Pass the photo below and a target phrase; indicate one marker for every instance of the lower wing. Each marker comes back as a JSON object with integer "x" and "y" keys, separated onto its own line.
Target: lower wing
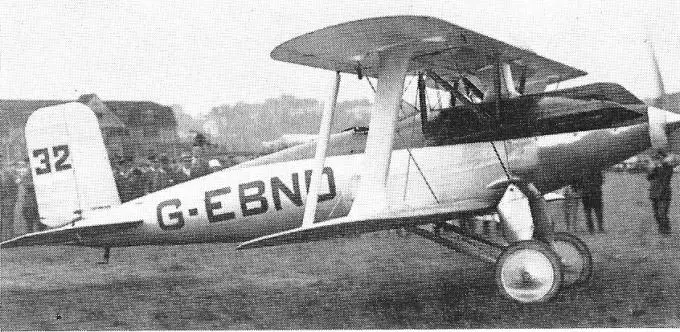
{"x": 70, "y": 234}
{"x": 347, "y": 225}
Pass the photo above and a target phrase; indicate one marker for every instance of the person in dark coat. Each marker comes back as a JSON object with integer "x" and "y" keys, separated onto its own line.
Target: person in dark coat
{"x": 659, "y": 176}
{"x": 8, "y": 196}
{"x": 183, "y": 171}
{"x": 163, "y": 174}
{"x": 590, "y": 189}
{"x": 199, "y": 165}
{"x": 149, "y": 168}
{"x": 137, "y": 183}
{"x": 570, "y": 206}
{"x": 121, "y": 175}
{"x": 27, "y": 203}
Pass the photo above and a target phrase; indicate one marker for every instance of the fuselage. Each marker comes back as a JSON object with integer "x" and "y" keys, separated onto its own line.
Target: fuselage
{"x": 267, "y": 196}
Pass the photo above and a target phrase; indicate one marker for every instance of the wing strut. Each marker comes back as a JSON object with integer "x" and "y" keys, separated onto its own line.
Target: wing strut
{"x": 320, "y": 156}
{"x": 371, "y": 198}
{"x": 422, "y": 101}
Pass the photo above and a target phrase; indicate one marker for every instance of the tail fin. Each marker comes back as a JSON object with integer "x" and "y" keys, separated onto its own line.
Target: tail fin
{"x": 69, "y": 163}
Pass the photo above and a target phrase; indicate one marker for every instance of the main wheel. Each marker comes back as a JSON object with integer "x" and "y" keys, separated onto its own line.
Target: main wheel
{"x": 577, "y": 261}
{"x": 529, "y": 272}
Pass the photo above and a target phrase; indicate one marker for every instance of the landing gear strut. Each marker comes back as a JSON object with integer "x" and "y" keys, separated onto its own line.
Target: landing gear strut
{"x": 537, "y": 262}
{"x": 527, "y": 271}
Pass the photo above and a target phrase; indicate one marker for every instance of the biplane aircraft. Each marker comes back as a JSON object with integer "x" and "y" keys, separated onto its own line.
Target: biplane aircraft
{"x": 496, "y": 146}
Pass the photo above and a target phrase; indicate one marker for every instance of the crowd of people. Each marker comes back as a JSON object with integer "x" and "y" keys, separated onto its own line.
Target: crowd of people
{"x": 136, "y": 179}
{"x": 19, "y": 206}
{"x": 588, "y": 190}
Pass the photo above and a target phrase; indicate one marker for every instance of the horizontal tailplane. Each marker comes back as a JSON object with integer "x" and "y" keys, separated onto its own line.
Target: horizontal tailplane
{"x": 73, "y": 235}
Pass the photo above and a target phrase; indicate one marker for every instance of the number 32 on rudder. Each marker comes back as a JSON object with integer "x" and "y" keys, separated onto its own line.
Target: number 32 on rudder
{"x": 59, "y": 152}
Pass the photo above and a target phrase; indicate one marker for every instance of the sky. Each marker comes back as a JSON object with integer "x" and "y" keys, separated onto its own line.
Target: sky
{"x": 201, "y": 54}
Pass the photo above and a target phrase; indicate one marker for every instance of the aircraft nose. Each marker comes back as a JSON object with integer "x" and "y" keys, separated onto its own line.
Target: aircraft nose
{"x": 663, "y": 128}
{"x": 673, "y": 131}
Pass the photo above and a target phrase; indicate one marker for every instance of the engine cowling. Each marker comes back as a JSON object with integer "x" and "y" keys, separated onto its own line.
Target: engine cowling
{"x": 664, "y": 130}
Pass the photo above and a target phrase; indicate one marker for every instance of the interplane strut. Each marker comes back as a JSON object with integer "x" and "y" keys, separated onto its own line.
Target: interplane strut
{"x": 371, "y": 197}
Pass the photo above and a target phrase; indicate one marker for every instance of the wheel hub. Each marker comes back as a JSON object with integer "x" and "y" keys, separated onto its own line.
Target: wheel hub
{"x": 528, "y": 275}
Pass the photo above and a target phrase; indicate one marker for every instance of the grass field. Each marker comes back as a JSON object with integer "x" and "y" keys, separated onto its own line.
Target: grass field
{"x": 375, "y": 281}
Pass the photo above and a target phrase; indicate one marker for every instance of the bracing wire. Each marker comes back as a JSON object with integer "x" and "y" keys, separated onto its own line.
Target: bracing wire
{"x": 407, "y": 85}
{"x": 415, "y": 163}
{"x": 485, "y": 118}
{"x": 500, "y": 160}
{"x": 507, "y": 157}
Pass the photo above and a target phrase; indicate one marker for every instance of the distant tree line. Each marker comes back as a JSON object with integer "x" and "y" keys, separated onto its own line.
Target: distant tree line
{"x": 244, "y": 126}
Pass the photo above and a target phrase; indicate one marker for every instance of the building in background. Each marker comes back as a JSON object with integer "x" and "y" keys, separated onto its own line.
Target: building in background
{"x": 132, "y": 129}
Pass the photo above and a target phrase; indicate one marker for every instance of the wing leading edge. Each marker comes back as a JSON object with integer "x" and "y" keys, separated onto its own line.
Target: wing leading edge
{"x": 445, "y": 48}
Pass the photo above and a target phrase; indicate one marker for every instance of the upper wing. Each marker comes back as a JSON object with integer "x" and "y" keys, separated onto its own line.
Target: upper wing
{"x": 68, "y": 234}
{"x": 447, "y": 49}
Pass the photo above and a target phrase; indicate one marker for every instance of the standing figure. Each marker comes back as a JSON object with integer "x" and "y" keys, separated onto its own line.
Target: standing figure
{"x": 137, "y": 183}
{"x": 8, "y": 196}
{"x": 590, "y": 188}
{"x": 26, "y": 203}
{"x": 163, "y": 174}
{"x": 121, "y": 176}
{"x": 659, "y": 176}
{"x": 149, "y": 170}
{"x": 199, "y": 165}
{"x": 571, "y": 202}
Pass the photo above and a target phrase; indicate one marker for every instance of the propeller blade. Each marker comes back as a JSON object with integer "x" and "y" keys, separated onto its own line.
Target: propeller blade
{"x": 664, "y": 126}
{"x": 660, "y": 88}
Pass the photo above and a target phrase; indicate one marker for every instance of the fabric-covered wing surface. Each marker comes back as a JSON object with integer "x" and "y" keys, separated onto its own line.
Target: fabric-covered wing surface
{"x": 445, "y": 48}
{"x": 68, "y": 234}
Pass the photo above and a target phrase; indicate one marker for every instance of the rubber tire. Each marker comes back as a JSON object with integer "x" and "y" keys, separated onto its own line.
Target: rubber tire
{"x": 587, "y": 273}
{"x": 540, "y": 247}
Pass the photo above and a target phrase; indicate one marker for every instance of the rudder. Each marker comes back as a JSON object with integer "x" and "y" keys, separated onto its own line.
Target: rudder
{"x": 69, "y": 163}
